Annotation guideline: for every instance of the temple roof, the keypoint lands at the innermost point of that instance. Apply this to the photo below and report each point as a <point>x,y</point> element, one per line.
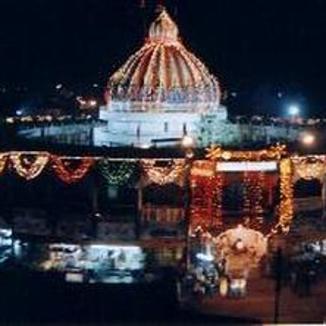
<point>163,70</point>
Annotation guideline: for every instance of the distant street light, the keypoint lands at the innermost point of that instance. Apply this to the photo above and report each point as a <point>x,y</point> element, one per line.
<point>294,110</point>
<point>308,139</point>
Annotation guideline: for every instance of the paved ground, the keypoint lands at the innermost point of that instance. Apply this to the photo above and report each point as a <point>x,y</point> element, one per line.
<point>259,304</point>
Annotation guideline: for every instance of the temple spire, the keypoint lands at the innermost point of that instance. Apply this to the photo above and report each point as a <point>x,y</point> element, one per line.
<point>163,28</point>
<point>160,6</point>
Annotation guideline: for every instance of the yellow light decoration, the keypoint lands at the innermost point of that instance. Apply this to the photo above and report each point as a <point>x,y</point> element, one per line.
<point>163,175</point>
<point>218,200</point>
<point>286,210</point>
<point>71,170</point>
<point>257,205</point>
<point>216,153</point>
<point>29,165</point>
<point>309,167</point>
<point>247,191</point>
<point>203,168</point>
<point>3,162</point>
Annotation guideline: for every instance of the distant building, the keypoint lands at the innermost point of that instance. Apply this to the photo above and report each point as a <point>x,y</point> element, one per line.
<point>161,93</point>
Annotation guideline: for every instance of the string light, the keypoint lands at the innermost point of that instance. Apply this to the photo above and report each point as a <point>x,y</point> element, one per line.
<point>257,211</point>
<point>117,173</point>
<point>66,170</point>
<point>163,175</point>
<point>27,165</point>
<point>203,168</point>
<point>164,71</point>
<point>3,162</point>
<point>218,200</point>
<point>286,204</point>
<point>216,153</point>
<point>247,192</point>
<point>201,202</point>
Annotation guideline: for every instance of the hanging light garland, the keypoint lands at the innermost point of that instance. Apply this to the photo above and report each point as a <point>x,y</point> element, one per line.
<point>247,192</point>
<point>201,202</point>
<point>163,175</point>
<point>273,153</point>
<point>66,170</point>
<point>117,173</point>
<point>218,200</point>
<point>286,210</point>
<point>29,165</point>
<point>3,162</point>
<point>257,204</point>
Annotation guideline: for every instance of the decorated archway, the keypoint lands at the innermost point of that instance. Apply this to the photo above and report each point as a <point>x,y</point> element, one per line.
<point>208,177</point>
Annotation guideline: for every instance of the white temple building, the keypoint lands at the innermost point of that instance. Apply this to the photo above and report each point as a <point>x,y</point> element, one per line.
<point>160,94</point>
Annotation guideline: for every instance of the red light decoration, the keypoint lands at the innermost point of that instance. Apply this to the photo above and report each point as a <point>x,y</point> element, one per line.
<point>206,196</point>
<point>71,170</point>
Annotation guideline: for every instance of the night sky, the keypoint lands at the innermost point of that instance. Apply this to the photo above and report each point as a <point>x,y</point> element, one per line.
<point>258,48</point>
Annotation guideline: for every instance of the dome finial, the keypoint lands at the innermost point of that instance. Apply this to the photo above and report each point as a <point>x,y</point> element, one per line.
<point>163,28</point>
<point>160,6</point>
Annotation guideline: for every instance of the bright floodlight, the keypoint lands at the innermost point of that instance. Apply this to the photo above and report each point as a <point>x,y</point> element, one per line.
<point>308,139</point>
<point>294,110</point>
<point>188,142</point>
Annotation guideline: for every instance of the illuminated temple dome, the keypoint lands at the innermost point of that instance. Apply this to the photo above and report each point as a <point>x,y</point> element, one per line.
<point>164,71</point>
<point>160,93</point>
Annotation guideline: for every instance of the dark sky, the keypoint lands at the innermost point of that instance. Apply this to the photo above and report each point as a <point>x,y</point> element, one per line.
<point>259,47</point>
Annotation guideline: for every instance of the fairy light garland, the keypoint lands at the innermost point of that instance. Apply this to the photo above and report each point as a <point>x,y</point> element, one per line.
<point>29,165</point>
<point>218,200</point>
<point>163,175</point>
<point>201,202</point>
<point>286,210</point>
<point>257,205</point>
<point>216,153</point>
<point>246,197</point>
<point>117,173</point>
<point>66,170</point>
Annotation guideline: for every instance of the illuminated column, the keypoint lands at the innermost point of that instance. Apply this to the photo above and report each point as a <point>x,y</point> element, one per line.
<point>286,204</point>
